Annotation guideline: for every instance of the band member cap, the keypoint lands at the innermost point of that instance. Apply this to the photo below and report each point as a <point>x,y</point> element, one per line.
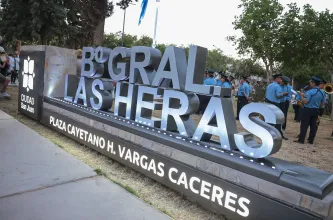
<point>316,79</point>
<point>286,79</point>
<point>211,71</point>
<point>277,75</point>
<point>223,75</point>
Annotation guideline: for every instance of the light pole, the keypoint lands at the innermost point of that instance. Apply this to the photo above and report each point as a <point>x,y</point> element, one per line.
<point>156,19</point>
<point>122,37</point>
<point>124,21</point>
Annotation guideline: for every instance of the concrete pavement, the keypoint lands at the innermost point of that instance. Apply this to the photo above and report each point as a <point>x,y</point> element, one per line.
<point>38,181</point>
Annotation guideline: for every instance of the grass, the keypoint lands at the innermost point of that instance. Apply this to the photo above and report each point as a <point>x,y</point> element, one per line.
<point>99,172</point>
<point>128,188</point>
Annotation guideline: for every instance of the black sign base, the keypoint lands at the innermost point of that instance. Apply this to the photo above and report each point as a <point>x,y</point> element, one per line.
<point>215,194</point>
<point>31,78</point>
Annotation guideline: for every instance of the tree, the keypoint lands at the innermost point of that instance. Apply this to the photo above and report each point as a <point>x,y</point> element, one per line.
<point>71,23</point>
<point>306,43</point>
<point>114,40</point>
<point>123,4</point>
<point>247,67</point>
<point>259,23</point>
<point>88,16</point>
<point>144,41</point>
<point>217,60</point>
<point>32,20</point>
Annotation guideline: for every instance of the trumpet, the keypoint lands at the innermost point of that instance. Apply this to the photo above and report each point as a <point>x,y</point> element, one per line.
<point>328,88</point>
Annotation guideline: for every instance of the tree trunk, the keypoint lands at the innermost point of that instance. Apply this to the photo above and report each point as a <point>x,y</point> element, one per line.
<point>292,82</point>
<point>267,73</point>
<point>270,69</point>
<point>99,31</point>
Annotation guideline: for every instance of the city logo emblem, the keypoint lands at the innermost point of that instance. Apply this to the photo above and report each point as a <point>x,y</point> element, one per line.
<point>28,74</point>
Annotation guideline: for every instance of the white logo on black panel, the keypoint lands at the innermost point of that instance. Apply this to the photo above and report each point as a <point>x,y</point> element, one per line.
<point>28,74</point>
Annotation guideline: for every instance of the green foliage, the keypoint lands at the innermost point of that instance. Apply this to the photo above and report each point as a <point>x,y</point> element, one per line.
<point>297,42</point>
<point>306,43</point>
<point>32,20</point>
<point>123,4</point>
<point>144,41</point>
<point>247,67</point>
<point>215,60</point>
<point>259,23</point>
<point>72,23</point>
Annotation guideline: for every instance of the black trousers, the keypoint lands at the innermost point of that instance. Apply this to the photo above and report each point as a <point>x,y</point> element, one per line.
<point>296,110</point>
<point>285,112</point>
<point>309,118</point>
<point>300,114</point>
<point>242,101</point>
<point>13,76</point>
<point>277,126</point>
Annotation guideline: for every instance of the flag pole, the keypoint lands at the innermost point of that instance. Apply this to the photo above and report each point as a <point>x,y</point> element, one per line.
<point>156,19</point>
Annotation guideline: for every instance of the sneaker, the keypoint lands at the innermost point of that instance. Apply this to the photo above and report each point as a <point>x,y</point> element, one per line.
<point>4,94</point>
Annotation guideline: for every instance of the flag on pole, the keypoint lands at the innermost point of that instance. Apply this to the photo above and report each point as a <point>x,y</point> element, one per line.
<point>144,5</point>
<point>155,29</point>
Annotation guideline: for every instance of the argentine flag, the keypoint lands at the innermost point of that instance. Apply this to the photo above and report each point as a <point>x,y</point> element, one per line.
<point>144,5</point>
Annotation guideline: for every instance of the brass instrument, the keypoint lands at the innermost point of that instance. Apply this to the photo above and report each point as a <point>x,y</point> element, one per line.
<point>328,88</point>
<point>318,120</point>
<point>299,102</point>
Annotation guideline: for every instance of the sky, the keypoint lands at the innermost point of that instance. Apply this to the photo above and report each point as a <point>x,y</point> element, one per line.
<point>204,23</point>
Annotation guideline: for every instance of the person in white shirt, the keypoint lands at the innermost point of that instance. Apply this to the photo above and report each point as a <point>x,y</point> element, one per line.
<point>16,67</point>
<point>11,64</point>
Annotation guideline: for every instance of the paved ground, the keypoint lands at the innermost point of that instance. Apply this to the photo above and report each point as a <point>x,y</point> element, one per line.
<point>38,180</point>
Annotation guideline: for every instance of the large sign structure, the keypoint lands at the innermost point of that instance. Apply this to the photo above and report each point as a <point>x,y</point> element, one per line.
<point>151,129</point>
<point>147,69</point>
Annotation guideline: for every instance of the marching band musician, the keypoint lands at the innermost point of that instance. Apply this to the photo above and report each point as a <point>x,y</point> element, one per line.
<point>296,107</point>
<point>233,91</point>
<point>322,108</point>
<point>210,80</point>
<point>223,81</point>
<point>283,100</point>
<point>289,90</point>
<point>305,91</point>
<point>274,95</point>
<point>204,100</point>
<point>206,75</point>
<point>321,87</point>
<point>243,95</point>
<point>313,101</point>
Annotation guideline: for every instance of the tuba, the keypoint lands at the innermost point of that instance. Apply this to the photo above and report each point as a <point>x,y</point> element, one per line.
<point>328,88</point>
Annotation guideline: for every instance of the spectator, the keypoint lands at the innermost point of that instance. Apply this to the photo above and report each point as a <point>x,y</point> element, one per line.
<point>16,66</point>
<point>11,64</point>
<point>5,82</point>
<point>4,66</point>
